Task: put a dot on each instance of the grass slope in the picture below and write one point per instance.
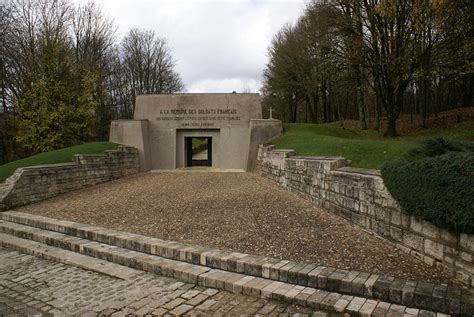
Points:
(54, 157)
(365, 148)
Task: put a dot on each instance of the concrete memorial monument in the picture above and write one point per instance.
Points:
(167, 129)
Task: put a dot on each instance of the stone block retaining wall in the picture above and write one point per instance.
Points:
(35, 183)
(361, 196)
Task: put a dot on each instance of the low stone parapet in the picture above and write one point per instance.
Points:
(36, 183)
(361, 196)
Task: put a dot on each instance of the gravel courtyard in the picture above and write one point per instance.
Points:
(238, 211)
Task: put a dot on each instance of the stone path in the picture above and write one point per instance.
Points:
(33, 287)
(200, 156)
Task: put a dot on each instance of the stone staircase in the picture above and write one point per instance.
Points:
(328, 289)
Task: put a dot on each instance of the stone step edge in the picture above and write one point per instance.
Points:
(386, 288)
(63, 256)
(206, 277)
(192, 273)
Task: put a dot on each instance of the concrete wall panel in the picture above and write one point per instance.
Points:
(133, 133)
(234, 121)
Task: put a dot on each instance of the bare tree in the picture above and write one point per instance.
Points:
(34, 25)
(148, 65)
(93, 36)
(5, 29)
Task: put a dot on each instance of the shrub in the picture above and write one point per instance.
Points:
(438, 185)
(439, 146)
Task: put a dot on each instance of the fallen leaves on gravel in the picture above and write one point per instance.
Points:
(236, 211)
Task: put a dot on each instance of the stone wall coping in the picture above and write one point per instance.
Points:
(316, 158)
(95, 155)
(124, 148)
(72, 164)
(403, 291)
(358, 170)
(282, 150)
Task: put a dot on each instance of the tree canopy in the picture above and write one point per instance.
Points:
(364, 59)
(64, 75)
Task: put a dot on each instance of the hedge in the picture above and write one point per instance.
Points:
(436, 182)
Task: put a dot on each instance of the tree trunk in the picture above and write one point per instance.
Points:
(392, 126)
(393, 107)
(359, 89)
(321, 103)
(360, 107)
(295, 109)
(324, 101)
(311, 106)
(378, 110)
(423, 101)
(467, 84)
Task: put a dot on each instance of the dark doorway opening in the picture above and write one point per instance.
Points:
(198, 151)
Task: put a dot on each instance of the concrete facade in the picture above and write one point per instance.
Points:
(162, 123)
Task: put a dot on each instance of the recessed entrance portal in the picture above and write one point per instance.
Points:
(197, 148)
(198, 151)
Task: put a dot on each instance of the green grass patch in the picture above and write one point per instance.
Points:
(54, 157)
(198, 142)
(429, 172)
(365, 148)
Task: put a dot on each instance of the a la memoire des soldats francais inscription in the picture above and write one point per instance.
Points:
(198, 117)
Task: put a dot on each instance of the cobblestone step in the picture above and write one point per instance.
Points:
(28, 283)
(66, 257)
(410, 293)
(30, 240)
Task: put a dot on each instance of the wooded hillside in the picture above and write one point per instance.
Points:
(367, 59)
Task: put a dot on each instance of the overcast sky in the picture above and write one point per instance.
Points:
(218, 45)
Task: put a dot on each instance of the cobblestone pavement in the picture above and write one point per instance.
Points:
(34, 287)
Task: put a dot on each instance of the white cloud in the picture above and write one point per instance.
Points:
(237, 84)
(218, 45)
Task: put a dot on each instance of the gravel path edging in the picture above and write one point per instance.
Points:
(411, 293)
